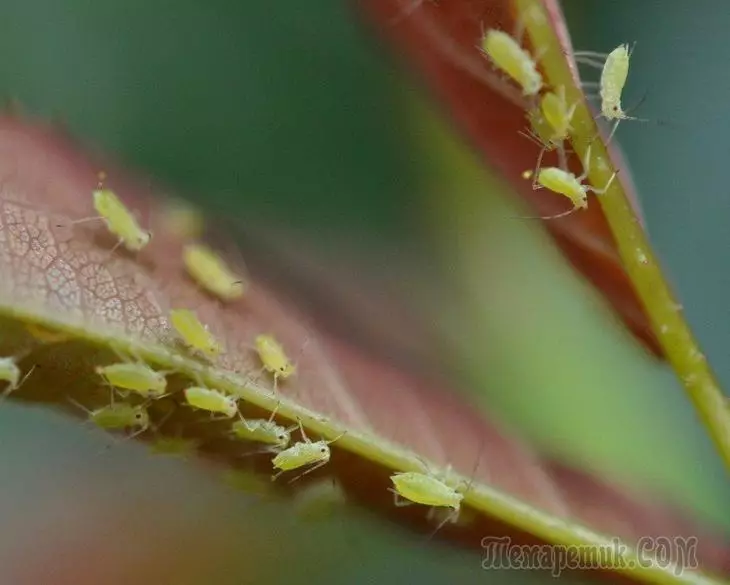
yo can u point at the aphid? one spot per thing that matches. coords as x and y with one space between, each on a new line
137 377
263 431
118 416
211 400
46 335
507 55
614 72
566 183
120 221
194 333
274 358
212 273
551 124
10 373
429 489
304 453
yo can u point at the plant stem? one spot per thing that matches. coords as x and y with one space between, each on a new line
665 313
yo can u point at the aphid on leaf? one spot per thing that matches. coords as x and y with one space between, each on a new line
137 377
212 401
118 416
566 183
304 453
507 55
431 489
263 431
210 271
194 333
10 373
274 358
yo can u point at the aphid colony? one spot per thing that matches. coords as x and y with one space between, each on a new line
551 115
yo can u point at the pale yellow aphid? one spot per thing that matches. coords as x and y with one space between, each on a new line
430 489
210 271
10 373
507 55
263 431
614 74
566 183
118 416
137 377
212 401
120 221
273 357
194 333
306 453
551 124
46 335
182 219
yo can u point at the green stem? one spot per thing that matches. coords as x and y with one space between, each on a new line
665 313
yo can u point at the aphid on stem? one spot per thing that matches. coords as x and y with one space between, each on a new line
566 183
212 401
306 453
264 431
193 333
118 416
10 372
507 55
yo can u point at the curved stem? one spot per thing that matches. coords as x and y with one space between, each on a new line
665 313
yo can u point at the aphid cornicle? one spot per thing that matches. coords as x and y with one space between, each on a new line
212 401
274 358
137 377
306 453
507 55
210 271
194 333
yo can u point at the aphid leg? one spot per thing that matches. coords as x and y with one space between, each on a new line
606 186
310 470
452 517
399 502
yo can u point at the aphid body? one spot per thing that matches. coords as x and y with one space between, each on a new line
194 333
137 377
306 453
119 220
426 489
10 373
119 416
613 79
564 183
262 431
212 273
273 357
211 400
558 115
507 55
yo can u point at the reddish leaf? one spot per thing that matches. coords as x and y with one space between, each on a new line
441 40
64 279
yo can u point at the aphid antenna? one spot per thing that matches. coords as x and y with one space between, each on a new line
557 216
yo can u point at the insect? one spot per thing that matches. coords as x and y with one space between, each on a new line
137 377
507 55
566 183
10 373
211 400
304 453
211 272
551 124
614 73
118 416
430 489
263 431
194 333
274 358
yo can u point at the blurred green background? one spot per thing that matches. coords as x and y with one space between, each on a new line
290 116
